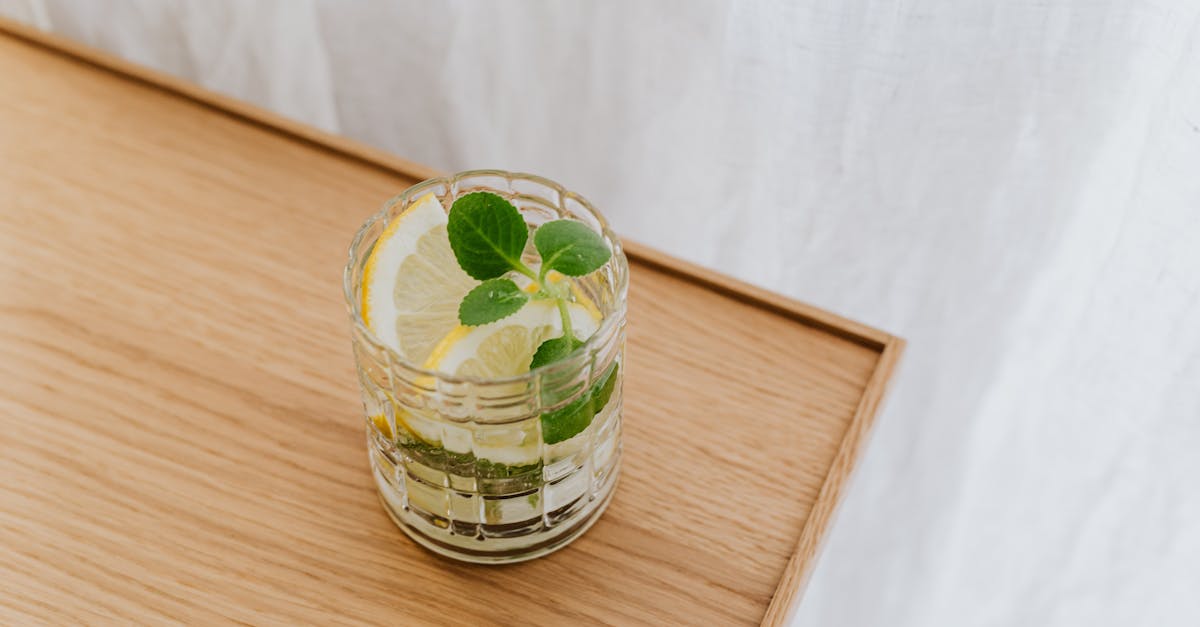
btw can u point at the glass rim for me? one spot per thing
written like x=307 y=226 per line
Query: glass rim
x=608 y=325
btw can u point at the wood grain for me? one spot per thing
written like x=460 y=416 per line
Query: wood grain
x=180 y=435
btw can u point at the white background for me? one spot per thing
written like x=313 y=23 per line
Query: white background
x=1013 y=186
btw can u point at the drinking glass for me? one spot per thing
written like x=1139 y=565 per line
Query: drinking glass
x=461 y=463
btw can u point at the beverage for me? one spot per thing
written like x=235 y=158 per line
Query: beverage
x=476 y=455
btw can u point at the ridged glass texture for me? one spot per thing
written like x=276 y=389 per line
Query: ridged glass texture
x=460 y=462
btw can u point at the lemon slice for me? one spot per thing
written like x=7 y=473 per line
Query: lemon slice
x=504 y=348
x=412 y=283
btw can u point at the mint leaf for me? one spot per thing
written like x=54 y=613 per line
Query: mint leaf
x=568 y=422
x=571 y=420
x=553 y=350
x=603 y=389
x=490 y=301
x=570 y=247
x=487 y=235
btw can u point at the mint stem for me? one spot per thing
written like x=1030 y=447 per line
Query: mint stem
x=566 y=318
x=520 y=266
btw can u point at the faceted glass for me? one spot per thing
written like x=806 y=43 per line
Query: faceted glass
x=461 y=463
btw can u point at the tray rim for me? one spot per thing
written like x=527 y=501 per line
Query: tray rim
x=802 y=562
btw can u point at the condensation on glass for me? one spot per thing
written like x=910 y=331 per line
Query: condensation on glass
x=460 y=462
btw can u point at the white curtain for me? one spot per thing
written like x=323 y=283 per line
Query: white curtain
x=1013 y=186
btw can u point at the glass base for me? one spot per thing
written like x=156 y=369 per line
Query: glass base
x=530 y=542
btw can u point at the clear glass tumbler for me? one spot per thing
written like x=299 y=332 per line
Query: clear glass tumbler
x=461 y=463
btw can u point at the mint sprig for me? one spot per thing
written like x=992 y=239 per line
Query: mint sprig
x=488 y=237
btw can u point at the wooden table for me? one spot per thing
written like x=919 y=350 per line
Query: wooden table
x=180 y=431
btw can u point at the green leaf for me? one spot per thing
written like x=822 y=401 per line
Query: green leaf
x=603 y=389
x=571 y=420
x=570 y=247
x=567 y=422
x=487 y=235
x=553 y=350
x=490 y=301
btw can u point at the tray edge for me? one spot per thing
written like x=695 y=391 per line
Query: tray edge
x=800 y=566
x=802 y=561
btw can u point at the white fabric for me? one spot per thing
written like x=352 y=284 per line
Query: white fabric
x=1014 y=187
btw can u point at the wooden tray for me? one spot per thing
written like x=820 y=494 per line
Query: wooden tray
x=181 y=431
